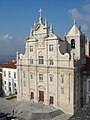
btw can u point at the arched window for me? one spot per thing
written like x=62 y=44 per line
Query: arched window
x=51 y=78
x=72 y=43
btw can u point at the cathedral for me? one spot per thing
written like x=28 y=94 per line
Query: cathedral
x=50 y=70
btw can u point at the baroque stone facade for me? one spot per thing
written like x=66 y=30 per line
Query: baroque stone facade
x=50 y=69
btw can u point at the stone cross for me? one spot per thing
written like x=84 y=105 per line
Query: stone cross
x=40 y=13
x=40 y=19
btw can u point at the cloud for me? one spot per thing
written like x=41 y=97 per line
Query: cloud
x=87 y=18
x=7 y=37
x=87 y=7
x=84 y=27
x=75 y=14
x=10 y=45
x=83 y=18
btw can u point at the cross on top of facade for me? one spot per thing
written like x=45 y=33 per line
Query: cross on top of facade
x=40 y=19
x=40 y=12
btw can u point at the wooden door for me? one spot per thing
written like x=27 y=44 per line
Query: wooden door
x=41 y=95
x=51 y=100
x=32 y=95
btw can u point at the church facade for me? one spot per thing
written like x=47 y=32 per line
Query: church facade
x=50 y=70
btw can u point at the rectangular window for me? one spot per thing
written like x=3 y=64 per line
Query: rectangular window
x=31 y=76
x=9 y=89
x=9 y=83
x=15 y=75
x=9 y=74
x=24 y=74
x=24 y=84
x=88 y=85
x=32 y=95
x=15 y=84
x=62 y=90
x=31 y=48
x=51 y=100
x=5 y=82
x=62 y=78
x=4 y=73
x=51 y=47
x=31 y=61
x=41 y=77
x=41 y=60
x=51 y=62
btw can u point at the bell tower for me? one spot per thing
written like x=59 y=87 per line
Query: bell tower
x=76 y=42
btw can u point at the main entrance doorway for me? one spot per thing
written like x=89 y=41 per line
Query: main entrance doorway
x=41 y=95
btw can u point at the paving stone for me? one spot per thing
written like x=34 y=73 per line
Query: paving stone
x=28 y=110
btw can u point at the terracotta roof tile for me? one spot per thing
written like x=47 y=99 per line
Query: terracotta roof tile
x=9 y=65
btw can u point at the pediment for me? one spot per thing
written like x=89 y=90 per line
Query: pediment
x=74 y=31
x=37 y=27
x=41 y=87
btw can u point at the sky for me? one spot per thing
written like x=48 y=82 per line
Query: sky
x=18 y=16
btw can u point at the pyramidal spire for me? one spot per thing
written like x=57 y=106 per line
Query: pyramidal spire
x=40 y=18
x=74 y=30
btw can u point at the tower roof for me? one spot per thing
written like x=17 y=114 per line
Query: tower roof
x=74 y=30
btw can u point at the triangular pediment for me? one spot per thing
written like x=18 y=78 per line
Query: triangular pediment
x=74 y=31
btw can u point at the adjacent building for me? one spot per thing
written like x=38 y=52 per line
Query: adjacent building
x=86 y=80
x=50 y=70
x=9 y=78
x=0 y=81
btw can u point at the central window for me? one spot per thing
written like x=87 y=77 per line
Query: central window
x=51 y=62
x=51 y=78
x=31 y=48
x=41 y=77
x=51 y=47
x=31 y=61
x=41 y=60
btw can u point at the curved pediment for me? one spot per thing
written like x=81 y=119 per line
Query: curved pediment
x=37 y=27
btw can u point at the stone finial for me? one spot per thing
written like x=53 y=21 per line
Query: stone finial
x=17 y=52
x=51 y=28
x=34 y=23
x=31 y=32
x=65 y=35
x=74 y=22
x=17 y=55
x=45 y=22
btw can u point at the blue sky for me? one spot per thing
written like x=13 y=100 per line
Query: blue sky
x=17 y=16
